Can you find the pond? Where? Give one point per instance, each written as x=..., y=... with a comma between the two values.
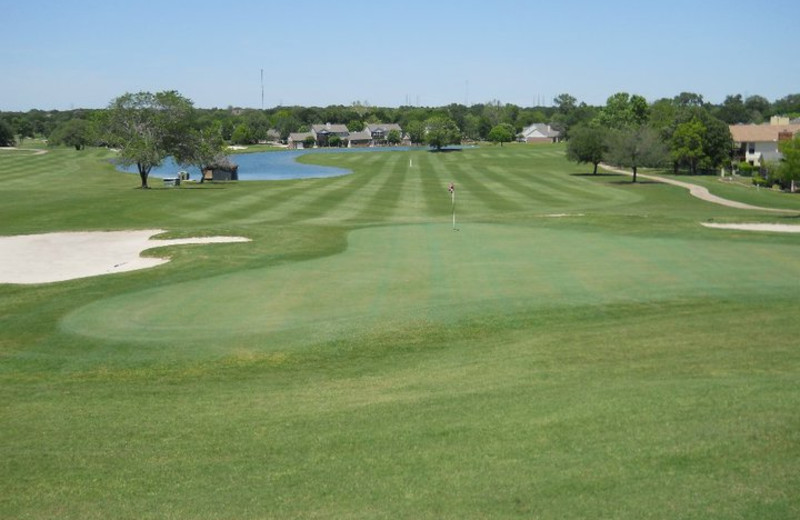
x=273, y=166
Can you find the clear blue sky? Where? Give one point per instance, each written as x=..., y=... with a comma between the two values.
x=60, y=54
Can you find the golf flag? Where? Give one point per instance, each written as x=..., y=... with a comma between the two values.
x=452, y=190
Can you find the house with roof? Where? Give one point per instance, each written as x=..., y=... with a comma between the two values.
x=539, y=133
x=380, y=131
x=323, y=133
x=759, y=143
x=296, y=140
x=359, y=139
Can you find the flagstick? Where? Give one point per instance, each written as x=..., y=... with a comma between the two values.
x=453, y=197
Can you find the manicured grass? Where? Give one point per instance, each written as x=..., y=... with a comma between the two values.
x=360, y=358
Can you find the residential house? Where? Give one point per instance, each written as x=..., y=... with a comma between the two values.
x=380, y=132
x=273, y=136
x=759, y=143
x=297, y=139
x=322, y=133
x=359, y=139
x=539, y=133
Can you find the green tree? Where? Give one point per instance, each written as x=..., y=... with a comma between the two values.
x=733, y=110
x=587, y=144
x=242, y=134
x=636, y=146
x=787, y=106
x=6, y=134
x=623, y=110
x=565, y=121
x=441, y=131
x=23, y=127
x=758, y=107
x=356, y=125
x=502, y=133
x=75, y=132
x=472, y=127
x=285, y=123
x=717, y=144
x=416, y=131
x=202, y=148
x=716, y=136
x=394, y=137
x=148, y=127
x=789, y=169
x=334, y=141
x=309, y=142
x=689, y=99
x=686, y=145
x=564, y=103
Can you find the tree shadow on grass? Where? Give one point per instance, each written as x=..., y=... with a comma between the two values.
x=598, y=174
x=444, y=150
x=638, y=181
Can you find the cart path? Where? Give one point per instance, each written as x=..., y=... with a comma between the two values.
x=700, y=192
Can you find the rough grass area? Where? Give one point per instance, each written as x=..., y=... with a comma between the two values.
x=360, y=359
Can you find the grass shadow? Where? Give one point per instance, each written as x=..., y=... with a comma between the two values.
x=444, y=150
x=598, y=174
x=638, y=181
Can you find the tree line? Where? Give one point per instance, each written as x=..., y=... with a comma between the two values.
x=685, y=131
x=475, y=122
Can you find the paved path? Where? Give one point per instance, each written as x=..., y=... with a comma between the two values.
x=699, y=191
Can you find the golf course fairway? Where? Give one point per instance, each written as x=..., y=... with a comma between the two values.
x=580, y=346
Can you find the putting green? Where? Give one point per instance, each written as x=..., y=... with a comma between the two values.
x=389, y=276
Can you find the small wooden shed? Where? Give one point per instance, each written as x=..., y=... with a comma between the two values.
x=221, y=170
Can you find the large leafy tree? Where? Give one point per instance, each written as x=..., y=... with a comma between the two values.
x=441, y=131
x=502, y=133
x=77, y=133
x=788, y=106
x=789, y=169
x=394, y=137
x=733, y=110
x=715, y=135
x=759, y=108
x=148, y=127
x=202, y=148
x=565, y=103
x=416, y=131
x=623, y=110
x=687, y=144
x=6, y=134
x=587, y=144
x=636, y=146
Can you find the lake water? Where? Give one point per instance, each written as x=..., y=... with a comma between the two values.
x=273, y=166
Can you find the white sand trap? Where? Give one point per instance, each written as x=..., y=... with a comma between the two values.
x=775, y=228
x=55, y=257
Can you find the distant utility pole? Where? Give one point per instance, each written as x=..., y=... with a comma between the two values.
x=262, y=89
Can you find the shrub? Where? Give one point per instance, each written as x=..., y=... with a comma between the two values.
x=745, y=169
x=760, y=181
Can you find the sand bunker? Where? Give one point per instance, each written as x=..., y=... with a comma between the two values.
x=776, y=228
x=55, y=257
